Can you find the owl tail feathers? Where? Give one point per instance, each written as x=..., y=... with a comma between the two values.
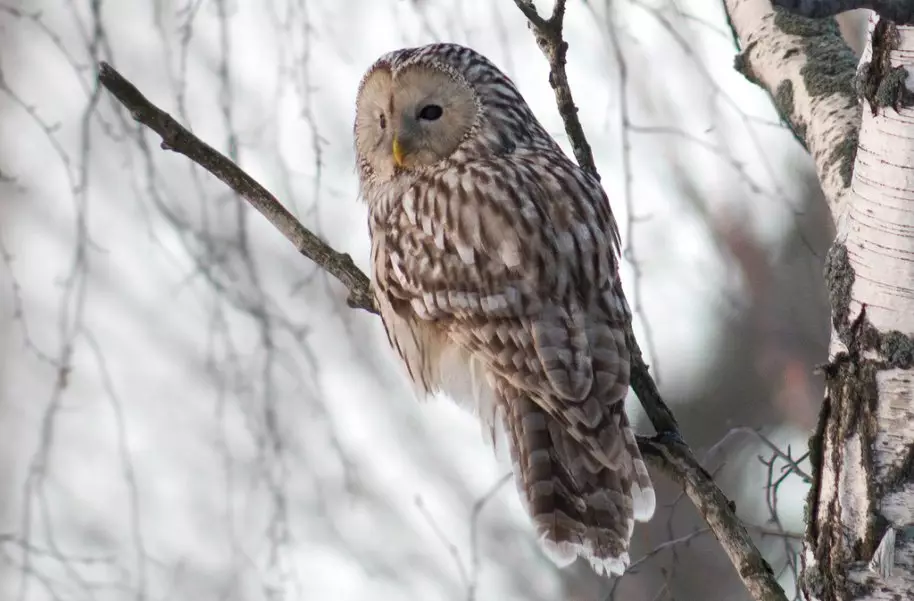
x=592, y=515
x=606, y=549
x=644, y=500
x=564, y=553
x=580, y=505
x=593, y=520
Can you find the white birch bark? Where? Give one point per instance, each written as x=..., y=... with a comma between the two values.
x=780, y=55
x=863, y=449
x=866, y=484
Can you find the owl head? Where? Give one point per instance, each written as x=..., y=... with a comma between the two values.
x=419, y=107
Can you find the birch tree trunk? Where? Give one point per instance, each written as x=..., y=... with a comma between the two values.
x=859, y=128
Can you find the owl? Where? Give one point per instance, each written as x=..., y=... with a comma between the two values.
x=495, y=265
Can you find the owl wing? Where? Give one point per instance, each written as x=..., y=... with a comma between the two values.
x=514, y=258
x=513, y=262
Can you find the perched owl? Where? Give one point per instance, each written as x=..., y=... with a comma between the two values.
x=495, y=269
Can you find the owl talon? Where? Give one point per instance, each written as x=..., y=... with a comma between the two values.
x=669, y=436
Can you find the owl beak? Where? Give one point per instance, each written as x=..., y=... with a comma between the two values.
x=398, y=152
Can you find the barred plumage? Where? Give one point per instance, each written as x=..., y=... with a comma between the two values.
x=495, y=267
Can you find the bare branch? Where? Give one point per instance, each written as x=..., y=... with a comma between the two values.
x=676, y=460
x=667, y=451
x=548, y=34
x=177, y=138
x=900, y=11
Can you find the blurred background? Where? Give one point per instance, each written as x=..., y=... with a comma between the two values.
x=188, y=409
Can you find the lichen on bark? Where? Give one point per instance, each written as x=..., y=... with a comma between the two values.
x=743, y=65
x=844, y=154
x=839, y=279
x=830, y=70
x=831, y=64
x=844, y=528
x=784, y=103
x=881, y=84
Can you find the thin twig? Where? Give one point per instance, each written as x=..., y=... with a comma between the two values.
x=478, y=506
x=548, y=34
x=775, y=532
x=792, y=464
x=670, y=544
x=629, y=251
x=451, y=547
x=666, y=545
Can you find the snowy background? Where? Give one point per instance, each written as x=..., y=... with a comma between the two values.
x=188, y=410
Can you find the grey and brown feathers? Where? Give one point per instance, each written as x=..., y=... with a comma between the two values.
x=495, y=268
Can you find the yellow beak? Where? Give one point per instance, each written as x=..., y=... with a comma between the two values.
x=398, y=152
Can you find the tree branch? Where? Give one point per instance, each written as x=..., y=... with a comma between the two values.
x=899, y=11
x=177, y=138
x=808, y=69
x=677, y=461
x=548, y=35
x=666, y=452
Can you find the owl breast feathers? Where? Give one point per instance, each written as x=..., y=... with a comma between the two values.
x=495, y=268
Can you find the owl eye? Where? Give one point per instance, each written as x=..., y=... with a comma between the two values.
x=431, y=112
x=382, y=121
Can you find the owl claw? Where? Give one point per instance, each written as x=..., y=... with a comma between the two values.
x=669, y=436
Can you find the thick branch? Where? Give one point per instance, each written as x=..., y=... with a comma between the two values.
x=668, y=451
x=177, y=138
x=677, y=461
x=899, y=11
x=808, y=69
